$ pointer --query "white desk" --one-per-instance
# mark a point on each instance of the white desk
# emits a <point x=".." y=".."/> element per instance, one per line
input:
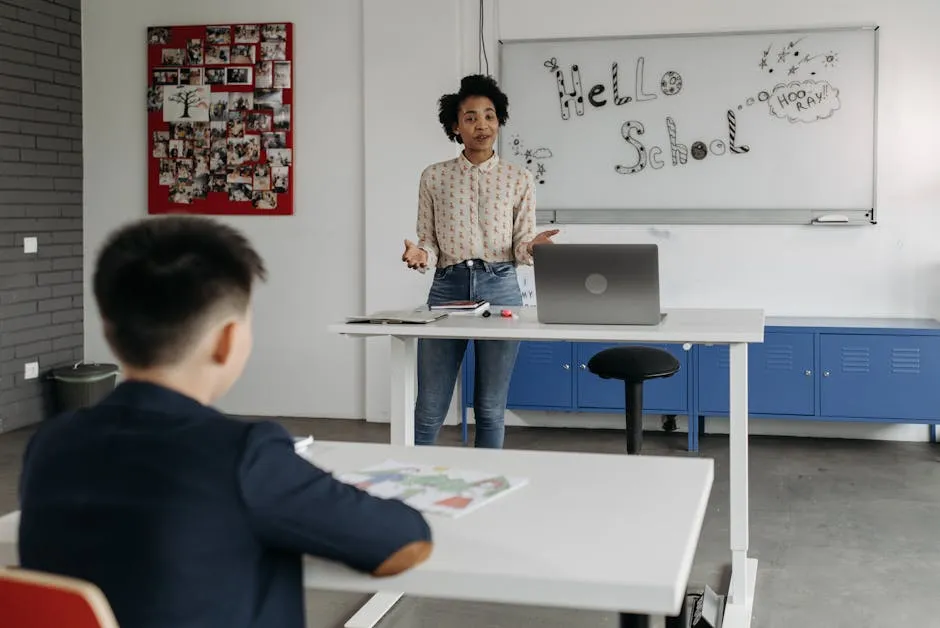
<point x="576" y="536"/>
<point x="733" y="327"/>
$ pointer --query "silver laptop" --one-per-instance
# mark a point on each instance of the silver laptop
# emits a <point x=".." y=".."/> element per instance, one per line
<point x="597" y="284"/>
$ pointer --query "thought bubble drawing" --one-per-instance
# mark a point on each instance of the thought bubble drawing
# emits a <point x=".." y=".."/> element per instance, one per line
<point x="804" y="101"/>
<point x="533" y="158"/>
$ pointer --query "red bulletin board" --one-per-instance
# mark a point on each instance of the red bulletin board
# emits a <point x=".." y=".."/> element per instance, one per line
<point x="220" y="119"/>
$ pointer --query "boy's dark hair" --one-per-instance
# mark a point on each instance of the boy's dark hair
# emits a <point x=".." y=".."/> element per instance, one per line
<point x="448" y="107"/>
<point x="158" y="281"/>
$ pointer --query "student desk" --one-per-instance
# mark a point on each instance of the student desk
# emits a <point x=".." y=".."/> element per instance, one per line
<point x="578" y="535"/>
<point x="733" y="327"/>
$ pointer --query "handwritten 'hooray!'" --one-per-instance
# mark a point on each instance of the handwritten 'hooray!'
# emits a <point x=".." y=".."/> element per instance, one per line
<point x="670" y="84"/>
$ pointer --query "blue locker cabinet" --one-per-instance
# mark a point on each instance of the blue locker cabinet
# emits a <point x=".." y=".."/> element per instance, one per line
<point x="781" y="378"/>
<point x="885" y="377"/>
<point x="542" y="378"/>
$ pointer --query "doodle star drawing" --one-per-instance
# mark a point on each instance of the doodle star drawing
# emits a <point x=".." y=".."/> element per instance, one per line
<point x="807" y="100"/>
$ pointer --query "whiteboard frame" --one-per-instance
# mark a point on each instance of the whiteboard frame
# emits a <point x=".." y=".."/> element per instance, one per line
<point x="778" y="216"/>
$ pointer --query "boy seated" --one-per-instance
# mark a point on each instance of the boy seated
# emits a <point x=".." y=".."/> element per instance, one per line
<point x="183" y="517"/>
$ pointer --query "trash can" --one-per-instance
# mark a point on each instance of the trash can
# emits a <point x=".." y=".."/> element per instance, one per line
<point x="82" y="385"/>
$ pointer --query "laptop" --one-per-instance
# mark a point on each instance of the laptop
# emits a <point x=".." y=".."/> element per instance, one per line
<point x="597" y="284"/>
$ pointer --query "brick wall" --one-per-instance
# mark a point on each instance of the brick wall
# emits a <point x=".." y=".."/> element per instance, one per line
<point x="40" y="196"/>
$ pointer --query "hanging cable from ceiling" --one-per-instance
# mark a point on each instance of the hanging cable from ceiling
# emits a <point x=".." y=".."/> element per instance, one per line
<point x="481" y="56"/>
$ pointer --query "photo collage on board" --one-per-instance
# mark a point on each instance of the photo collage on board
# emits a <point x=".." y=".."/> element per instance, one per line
<point x="225" y="125"/>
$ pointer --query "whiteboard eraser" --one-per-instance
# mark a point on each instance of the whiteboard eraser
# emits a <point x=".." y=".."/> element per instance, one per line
<point x="831" y="219"/>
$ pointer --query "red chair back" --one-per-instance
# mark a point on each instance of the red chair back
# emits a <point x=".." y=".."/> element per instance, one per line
<point x="32" y="599"/>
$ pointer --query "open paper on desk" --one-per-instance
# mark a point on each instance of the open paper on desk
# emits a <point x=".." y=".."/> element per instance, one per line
<point x="433" y="489"/>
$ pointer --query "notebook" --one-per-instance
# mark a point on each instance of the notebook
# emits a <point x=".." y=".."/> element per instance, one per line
<point x="463" y="308"/>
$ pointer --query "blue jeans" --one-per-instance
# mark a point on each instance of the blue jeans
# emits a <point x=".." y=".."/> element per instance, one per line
<point x="439" y="359"/>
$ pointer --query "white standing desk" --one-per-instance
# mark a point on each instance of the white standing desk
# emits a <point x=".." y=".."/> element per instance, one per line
<point x="576" y="536"/>
<point x="733" y="327"/>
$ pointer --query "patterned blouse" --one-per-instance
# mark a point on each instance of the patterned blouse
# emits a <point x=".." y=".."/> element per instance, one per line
<point x="468" y="211"/>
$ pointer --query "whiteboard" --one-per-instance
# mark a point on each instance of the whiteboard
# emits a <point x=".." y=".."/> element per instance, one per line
<point x="769" y="126"/>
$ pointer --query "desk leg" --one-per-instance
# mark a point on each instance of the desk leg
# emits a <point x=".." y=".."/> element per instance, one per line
<point x="743" y="570"/>
<point x="373" y="611"/>
<point x="403" y="366"/>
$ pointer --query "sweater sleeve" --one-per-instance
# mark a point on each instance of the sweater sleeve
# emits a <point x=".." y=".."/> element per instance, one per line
<point x="427" y="236"/>
<point x="296" y="506"/>
<point x="523" y="227"/>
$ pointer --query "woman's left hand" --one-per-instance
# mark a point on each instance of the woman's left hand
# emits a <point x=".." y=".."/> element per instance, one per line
<point x="543" y="238"/>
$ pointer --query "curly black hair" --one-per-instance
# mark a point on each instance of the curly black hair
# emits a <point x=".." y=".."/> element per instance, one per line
<point x="473" y="85"/>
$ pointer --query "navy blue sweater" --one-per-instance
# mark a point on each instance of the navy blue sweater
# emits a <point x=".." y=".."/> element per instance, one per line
<point x="186" y="518"/>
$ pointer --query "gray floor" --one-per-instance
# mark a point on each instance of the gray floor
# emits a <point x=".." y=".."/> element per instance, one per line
<point x="847" y="532"/>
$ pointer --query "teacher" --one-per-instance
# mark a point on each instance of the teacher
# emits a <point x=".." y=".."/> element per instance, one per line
<point x="476" y="223"/>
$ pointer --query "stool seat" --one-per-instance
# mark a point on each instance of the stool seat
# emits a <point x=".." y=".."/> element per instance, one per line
<point x="633" y="364"/>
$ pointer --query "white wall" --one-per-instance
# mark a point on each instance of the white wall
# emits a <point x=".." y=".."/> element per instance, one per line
<point x="315" y="258"/>
<point x="411" y="56"/>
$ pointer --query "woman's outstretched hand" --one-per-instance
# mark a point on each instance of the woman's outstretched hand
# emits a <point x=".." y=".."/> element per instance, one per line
<point x="413" y="256"/>
<point x="543" y="238"/>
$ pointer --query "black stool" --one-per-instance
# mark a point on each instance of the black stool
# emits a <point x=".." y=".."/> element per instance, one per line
<point x="633" y="365"/>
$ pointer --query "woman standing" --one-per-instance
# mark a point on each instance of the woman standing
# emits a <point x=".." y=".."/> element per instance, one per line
<point x="476" y="223"/>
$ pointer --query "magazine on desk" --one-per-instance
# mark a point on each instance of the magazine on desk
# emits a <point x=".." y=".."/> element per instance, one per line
<point x="433" y="489"/>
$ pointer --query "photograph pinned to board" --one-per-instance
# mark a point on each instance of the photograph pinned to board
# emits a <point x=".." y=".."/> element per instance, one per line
<point x="433" y="489"/>
<point x="247" y="33"/>
<point x="219" y="121"/>
<point x="218" y="55"/>
<point x="269" y="98"/>
<point x="259" y="122"/>
<point x="194" y="52"/>
<point x="264" y="75"/>
<point x="215" y="76"/>
<point x="191" y="76"/>
<point x="186" y="103"/>
<point x="243" y="53"/>
<point x="281" y="74"/>
<point x="157" y="35"/>
<point x="238" y="75"/>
